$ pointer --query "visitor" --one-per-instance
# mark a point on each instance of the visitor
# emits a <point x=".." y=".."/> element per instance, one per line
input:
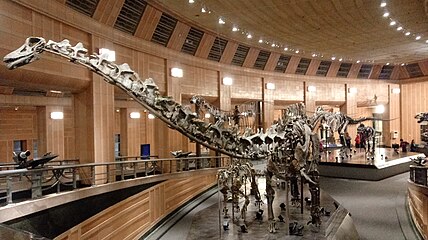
<point x="413" y="146"/>
<point x="347" y="140"/>
<point x="357" y="141"/>
<point x="403" y="145"/>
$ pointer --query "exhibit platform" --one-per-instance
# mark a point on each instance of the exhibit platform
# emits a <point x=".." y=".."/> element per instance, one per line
<point x="386" y="162"/>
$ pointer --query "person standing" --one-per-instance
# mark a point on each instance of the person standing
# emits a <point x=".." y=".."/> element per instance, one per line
<point x="357" y="141"/>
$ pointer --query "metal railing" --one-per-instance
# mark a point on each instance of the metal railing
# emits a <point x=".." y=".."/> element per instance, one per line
<point x="59" y="178"/>
<point x="419" y="174"/>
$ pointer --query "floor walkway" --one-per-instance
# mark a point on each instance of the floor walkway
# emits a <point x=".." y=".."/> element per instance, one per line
<point x="378" y="208"/>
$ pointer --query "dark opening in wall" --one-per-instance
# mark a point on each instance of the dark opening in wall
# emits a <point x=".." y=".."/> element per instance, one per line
<point x="240" y="55"/>
<point x="323" y="68"/>
<point x="86" y="7"/>
<point x="261" y="60"/>
<point x="303" y="66"/>
<point x="130" y="15"/>
<point x="282" y="63"/>
<point x="192" y="41"/>
<point x="365" y="71"/>
<point x="217" y="49"/>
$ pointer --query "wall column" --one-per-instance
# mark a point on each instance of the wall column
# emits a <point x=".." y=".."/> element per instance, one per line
<point x="392" y="117"/>
<point x="268" y="105"/>
<point x="350" y="109"/>
<point x="130" y="137"/>
<point x="50" y="132"/>
<point x="309" y="98"/>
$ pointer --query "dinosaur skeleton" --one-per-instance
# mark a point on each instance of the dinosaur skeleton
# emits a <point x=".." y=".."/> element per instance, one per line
<point x="423" y="117"/>
<point x="292" y="138"/>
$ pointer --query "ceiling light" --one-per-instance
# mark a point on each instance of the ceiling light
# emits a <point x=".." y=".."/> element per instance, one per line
<point x="57" y="115"/>
<point x="191" y="1"/>
<point x="383" y="4"/>
<point x="117" y="110"/>
<point x="399" y="28"/>
<point x="249" y="35"/>
<point x="286" y="48"/>
<point x="150" y="116"/>
<point x="314" y="55"/>
<point x="387" y="64"/>
<point x="260" y="41"/>
<point x="135" y="115"/>
<point x="221" y="21"/>
<point x="358" y="61"/>
<point x="203" y="10"/>
<point x="55" y="91"/>
<point x="177" y="72"/>
<point x="207" y="115"/>
<point x="392" y="23"/>
<point x="418" y="37"/>
<point x="297" y="51"/>
<point x="235" y="29"/>
<point x="270" y="86"/>
<point x="273" y="45"/>
<point x="426" y="41"/>
<point x="407" y="33"/>
<point x="227" y="81"/>
<point x="386" y="14"/>
<point x="333" y="58"/>
<point x="340" y="59"/>
<point x="402" y="64"/>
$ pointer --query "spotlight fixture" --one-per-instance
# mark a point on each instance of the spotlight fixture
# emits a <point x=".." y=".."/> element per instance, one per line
<point x="392" y="23"/>
<point x="418" y="37"/>
<point x="135" y="115"/>
<point x="340" y="59"/>
<point x="270" y="86"/>
<point x="426" y="41"/>
<point x="234" y="29"/>
<point x="383" y="4"/>
<point x="358" y="61"/>
<point x="150" y="116"/>
<point x="297" y="51"/>
<point x="312" y="89"/>
<point x="221" y="21"/>
<point x="177" y="72"/>
<point x="228" y="81"/>
<point x="203" y="10"/>
<point x="249" y="35"/>
<point x="273" y="45"/>
<point x="352" y="90"/>
<point x="407" y="33"/>
<point x="395" y="90"/>
<point x="403" y="63"/>
<point x="56" y="115"/>
<point x="314" y="55"/>
<point x="191" y="1"/>
<point x="286" y="48"/>
<point x="386" y="14"/>
<point x="399" y="28"/>
<point x="333" y="58"/>
<point x="387" y="64"/>
<point x="260" y="41"/>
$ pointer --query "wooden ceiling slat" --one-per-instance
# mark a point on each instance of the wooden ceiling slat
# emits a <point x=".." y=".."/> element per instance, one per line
<point x="205" y="45"/>
<point x="252" y="55"/>
<point x="313" y="67"/>
<point x="292" y="65"/>
<point x="355" y="69"/>
<point x="374" y="74"/>
<point x="107" y="11"/>
<point x="395" y="75"/>
<point x="272" y="61"/>
<point x="148" y="23"/>
<point x="334" y="68"/>
<point x="229" y="52"/>
<point x="178" y="36"/>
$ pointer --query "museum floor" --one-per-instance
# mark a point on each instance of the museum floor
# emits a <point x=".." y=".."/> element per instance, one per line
<point x="378" y="210"/>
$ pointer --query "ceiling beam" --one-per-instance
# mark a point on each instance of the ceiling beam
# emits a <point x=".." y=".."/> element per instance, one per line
<point x="148" y="23"/>
<point x="107" y="11"/>
<point x="178" y="36"/>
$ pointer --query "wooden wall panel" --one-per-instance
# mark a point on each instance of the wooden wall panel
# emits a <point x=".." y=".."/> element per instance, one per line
<point x="16" y="125"/>
<point x="134" y="216"/>
<point x="413" y="100"/>
<point x="424" y="67"/>
<point x="288" y="90"/>
<point x="329" y="92"/>
<point x="69" y="134"/>
<point x="199" y="81"/>
<point x="246" y="87"/>
<point x="107" y="11"/>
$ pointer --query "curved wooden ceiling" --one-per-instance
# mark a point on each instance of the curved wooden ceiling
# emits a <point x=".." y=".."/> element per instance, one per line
<point x="349" y="29"/>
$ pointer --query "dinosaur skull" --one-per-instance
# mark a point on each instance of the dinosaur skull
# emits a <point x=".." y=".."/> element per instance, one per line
<point x="26" y="54"/>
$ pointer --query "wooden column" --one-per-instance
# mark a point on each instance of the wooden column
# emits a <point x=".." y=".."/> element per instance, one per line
<point x="309" y="98"/>
<point x="392" y="115"/>
<point x="50" y="131"/>
<point x="268" y="105"/>
<point x="350" y="109"/>
<point x="130" y="137"/>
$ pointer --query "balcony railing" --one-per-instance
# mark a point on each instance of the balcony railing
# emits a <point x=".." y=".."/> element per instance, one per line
<point x="18" y="184"/>
<point x="418" y="174"/>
